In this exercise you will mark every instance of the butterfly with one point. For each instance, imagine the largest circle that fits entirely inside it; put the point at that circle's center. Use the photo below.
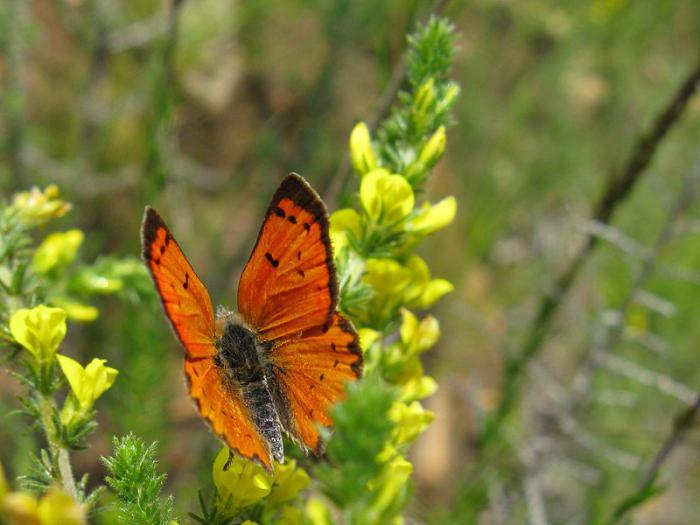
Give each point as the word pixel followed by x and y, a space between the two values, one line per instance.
pixel 281 362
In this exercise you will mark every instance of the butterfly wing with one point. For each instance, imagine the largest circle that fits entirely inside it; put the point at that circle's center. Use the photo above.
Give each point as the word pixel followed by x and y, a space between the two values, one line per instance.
pixel 311 371
pixel 288 293
pixel 188 307
pixel 289 281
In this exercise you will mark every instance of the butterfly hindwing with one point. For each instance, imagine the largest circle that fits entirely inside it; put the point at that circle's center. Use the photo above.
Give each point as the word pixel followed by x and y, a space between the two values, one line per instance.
pixel 312 371
pixel 223 408
pixel 188 307
pixel 288 293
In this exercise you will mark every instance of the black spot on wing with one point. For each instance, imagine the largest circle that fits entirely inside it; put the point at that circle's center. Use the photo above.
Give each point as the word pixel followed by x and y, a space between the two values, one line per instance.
pixel 274 262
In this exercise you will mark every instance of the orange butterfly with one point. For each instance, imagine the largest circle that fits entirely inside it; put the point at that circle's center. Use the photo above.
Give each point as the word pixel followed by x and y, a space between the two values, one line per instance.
pixel 281 362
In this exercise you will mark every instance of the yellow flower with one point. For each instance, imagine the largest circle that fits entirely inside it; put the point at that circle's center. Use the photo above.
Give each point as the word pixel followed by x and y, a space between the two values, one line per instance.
pixel 386 198
pixel 448 97
pixel 288 482
pixel 317 512
pixel 417 388
pixel 425 96
pixel 410 421
pixel 35 207
pixel 20 508
pixel 40 330
pixel 424 292
pixel 57 250
pixel 367 337
pixel 417 336
pixel 56 507
pixel 391 490
pixel 433 149
pixel 363 158
pixel 243 484
pixel 431 218
pixel 344 222
pixel 87 383
pixel 249 522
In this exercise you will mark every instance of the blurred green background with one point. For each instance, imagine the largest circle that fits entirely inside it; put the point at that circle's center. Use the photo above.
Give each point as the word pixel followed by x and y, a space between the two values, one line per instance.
pixel 121 106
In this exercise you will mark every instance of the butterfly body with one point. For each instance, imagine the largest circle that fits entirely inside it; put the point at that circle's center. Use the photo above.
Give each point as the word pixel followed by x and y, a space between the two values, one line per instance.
pixel 282 361
pixel 244 364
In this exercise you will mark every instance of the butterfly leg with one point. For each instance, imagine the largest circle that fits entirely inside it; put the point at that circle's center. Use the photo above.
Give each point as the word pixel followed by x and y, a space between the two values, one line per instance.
pixel 229 460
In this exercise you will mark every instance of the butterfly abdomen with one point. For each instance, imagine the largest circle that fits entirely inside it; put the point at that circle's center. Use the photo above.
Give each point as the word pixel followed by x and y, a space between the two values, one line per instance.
pixel 238 357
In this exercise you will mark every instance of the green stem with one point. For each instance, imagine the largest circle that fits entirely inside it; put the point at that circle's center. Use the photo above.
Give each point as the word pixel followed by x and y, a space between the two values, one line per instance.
pixel 58 452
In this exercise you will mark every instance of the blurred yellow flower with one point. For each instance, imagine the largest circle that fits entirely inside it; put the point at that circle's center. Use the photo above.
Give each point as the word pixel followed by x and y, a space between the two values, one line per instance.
pixel 87 383
pixel 390 489
pixel 56 251
pixel 430 218
pixel 76 311
pixel 56 507
pixel 40 330
pixel 19 508
pixel 242 484
pixel 317 512
pixel 386 198
pixel 290 515
pixel 417 388
pixel 363 158
pixel 35 207
pixel 288 482
pixel 410 421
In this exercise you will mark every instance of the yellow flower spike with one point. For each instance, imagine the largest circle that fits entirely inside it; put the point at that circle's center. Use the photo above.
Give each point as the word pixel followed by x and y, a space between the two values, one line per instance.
pixel 56 507
pixel 431 218
pixel 20 508
pixel 289 481
pixel 244 483
pixel 410 420
pixel 35 207
pixel 317 512
pixel 57 250
pixel 385 197
pixel 343 222
pixel 40 330
pixel 425 96
pixel 87 383
pixel 363 158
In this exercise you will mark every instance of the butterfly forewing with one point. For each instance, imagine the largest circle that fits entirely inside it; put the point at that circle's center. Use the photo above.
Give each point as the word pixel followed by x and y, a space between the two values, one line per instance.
pixel 289 282
pixel 288 294
pixel 188 307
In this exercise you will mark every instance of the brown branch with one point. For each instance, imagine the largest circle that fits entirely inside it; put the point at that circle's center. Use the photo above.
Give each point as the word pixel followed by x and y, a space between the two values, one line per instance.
pixel 617 190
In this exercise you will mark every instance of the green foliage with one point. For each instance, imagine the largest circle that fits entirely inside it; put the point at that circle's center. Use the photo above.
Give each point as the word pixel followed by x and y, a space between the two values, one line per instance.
pixel 409 138
pixel 352 456
pixel 134 477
